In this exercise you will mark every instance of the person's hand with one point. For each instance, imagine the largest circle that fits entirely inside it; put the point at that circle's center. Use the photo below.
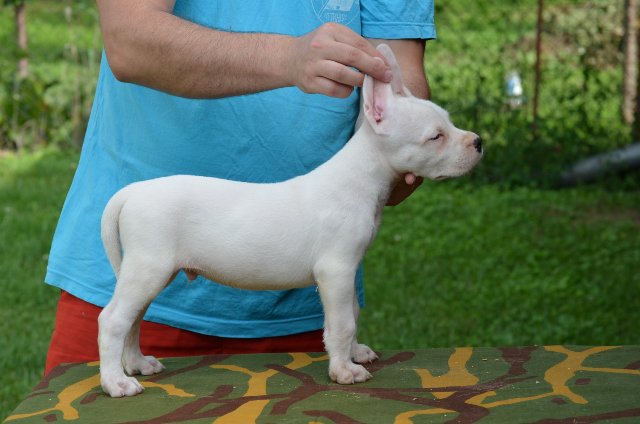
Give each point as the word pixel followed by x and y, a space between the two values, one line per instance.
pixel 323 61
pixel 407 185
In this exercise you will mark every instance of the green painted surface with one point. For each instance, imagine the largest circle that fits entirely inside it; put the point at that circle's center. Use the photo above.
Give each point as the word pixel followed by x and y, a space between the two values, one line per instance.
pixel 552 384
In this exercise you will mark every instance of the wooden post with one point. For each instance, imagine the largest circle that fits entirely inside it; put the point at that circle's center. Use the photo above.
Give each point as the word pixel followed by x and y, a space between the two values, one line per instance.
pixel 20 19
pixel 630 72
pixel 537 71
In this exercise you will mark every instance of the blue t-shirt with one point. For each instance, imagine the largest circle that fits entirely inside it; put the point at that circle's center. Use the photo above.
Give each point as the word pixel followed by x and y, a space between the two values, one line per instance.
pixel 137 133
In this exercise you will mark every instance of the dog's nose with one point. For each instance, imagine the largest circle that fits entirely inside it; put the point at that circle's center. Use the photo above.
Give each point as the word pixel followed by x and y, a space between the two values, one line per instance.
pixel 477 143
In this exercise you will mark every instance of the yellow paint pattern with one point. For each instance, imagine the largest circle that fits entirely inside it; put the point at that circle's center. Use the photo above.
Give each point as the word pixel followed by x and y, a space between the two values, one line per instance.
pixel 65 399
pixel 246 413
pixel 301 360
pixel 81 388
pixel 557 376
pixel 169 388
pixel 458 375
pixel 257 386
pixel 406 417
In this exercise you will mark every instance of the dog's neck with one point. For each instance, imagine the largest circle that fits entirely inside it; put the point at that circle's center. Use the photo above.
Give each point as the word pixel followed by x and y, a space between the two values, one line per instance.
pixel 366 151
pixel 360 166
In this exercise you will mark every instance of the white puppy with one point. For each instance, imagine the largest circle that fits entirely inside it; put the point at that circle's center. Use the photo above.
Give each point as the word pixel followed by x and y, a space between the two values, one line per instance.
pixel 312 229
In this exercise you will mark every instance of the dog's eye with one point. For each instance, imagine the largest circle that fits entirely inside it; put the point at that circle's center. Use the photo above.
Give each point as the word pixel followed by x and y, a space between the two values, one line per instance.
pixel 437 137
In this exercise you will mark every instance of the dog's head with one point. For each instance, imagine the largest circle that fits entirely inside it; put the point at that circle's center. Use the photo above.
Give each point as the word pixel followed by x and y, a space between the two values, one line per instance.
pixel 416 135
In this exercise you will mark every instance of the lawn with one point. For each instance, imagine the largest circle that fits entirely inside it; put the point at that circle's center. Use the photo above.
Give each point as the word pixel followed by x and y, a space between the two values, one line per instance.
pixel 458 264
pixel 462 265
pixel 32 189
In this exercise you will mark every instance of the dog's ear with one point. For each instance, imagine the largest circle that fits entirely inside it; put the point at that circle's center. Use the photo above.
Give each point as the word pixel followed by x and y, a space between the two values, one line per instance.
pixel 376 95
pixel 376 99
pixel 397 83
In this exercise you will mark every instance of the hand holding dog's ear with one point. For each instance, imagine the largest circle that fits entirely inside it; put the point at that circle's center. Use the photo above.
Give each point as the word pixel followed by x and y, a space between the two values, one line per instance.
pixel 322 61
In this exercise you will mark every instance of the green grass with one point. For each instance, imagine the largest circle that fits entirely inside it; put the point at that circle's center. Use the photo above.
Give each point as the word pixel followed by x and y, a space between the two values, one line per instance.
pixel 465 265
pixel 32 189
pixel 455 265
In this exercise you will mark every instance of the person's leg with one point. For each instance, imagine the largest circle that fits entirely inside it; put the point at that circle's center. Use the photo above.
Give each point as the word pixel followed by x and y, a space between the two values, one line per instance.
pixel 75 334
pixel 75 338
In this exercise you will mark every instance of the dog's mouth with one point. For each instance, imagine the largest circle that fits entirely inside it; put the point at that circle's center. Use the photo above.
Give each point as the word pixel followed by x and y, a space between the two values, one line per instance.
pixel 441 177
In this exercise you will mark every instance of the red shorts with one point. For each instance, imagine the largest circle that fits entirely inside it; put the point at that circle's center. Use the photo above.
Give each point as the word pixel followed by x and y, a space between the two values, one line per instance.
pixel 75 338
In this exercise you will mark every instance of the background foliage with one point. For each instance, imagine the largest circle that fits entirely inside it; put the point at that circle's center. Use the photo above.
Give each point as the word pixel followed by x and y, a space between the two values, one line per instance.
pixel 496 258
pixel 479 43
pixel 50 107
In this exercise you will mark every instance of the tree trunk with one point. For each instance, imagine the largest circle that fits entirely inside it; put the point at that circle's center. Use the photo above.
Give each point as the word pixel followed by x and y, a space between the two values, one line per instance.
pixel 20 17
pixel 630 78
pixel 537 70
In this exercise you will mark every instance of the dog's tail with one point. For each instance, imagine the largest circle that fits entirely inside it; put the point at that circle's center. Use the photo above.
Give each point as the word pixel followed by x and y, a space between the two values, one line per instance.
pixel 110 229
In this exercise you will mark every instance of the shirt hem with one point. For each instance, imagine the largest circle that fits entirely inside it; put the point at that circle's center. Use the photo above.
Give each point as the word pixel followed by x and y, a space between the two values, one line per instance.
pixel 220 328
pixel 398 30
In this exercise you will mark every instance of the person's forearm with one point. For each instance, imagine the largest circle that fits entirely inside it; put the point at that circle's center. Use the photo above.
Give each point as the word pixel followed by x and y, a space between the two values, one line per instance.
pixel 171 54
pixel 410 56
pixel 146 44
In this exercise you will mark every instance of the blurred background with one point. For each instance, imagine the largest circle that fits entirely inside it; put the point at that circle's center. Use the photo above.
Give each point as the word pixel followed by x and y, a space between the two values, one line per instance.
pixel 539 245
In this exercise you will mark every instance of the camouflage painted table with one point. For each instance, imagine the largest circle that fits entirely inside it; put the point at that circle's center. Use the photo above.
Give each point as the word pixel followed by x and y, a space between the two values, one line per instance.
pixel 554 384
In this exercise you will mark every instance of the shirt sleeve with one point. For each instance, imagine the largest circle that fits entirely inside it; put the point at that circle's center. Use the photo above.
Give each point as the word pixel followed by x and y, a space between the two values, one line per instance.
pixel 396 19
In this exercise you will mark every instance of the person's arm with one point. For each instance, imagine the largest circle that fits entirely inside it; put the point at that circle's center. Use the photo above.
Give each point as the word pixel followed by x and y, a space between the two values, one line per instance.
pixel 147 45
pixel 410 57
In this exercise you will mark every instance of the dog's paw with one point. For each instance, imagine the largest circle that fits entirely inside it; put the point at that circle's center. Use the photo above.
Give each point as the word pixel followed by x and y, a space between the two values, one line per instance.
pixel 348 373
pixel 123 386
pixel 145 365
pixel 362 354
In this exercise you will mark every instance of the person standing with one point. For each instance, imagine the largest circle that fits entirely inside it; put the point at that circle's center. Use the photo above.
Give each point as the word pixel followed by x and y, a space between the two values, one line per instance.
pixel 236 89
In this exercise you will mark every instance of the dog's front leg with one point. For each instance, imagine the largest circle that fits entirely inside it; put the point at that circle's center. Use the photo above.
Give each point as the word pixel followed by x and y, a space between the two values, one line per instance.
pixel 337 292
pixel 360 353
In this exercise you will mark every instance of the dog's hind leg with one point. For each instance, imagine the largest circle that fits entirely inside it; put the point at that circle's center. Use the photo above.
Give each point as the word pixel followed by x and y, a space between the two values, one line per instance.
pixel 135 289
pixel 360 353
pixel 133 360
